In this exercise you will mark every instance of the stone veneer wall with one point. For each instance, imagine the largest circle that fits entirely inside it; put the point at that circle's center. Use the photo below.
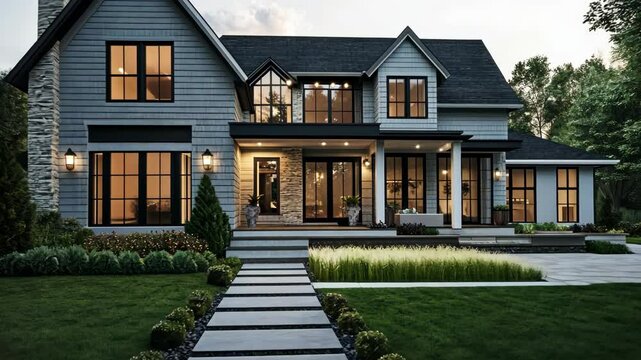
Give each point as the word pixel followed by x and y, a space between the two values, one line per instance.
pixel 44 117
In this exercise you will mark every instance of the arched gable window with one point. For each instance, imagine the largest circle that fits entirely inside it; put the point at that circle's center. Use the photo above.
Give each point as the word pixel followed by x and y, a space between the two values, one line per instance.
pixel 272 99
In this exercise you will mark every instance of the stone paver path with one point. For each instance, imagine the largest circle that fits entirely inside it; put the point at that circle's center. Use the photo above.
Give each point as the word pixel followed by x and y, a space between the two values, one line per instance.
pixel 269 312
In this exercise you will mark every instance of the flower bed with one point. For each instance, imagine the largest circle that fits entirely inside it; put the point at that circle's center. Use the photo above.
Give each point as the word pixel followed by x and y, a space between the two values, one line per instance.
pixel 144 243
pixel 355 264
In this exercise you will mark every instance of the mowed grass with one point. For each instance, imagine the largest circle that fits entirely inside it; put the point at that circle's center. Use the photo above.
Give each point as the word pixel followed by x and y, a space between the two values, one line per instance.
pixel 87 317
pixel 583 322
pixel 634 240
pixel 415 264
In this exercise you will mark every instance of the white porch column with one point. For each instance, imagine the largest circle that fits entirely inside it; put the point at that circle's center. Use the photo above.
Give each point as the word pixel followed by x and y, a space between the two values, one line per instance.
pixel 379 176
pixel 457 185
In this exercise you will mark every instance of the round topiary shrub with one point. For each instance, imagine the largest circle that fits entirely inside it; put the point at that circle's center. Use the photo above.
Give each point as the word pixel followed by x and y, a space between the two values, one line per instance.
pixel 103 263
pixel 167 334
pixel 158 262
pixel 13 264
pixel 391 357
pixel 149 355
pixel 182 315
pixel 131 263
pixel 201 262
pixel 74 260
pixel 184 263
pixel 351 322
pixel 199 302
pixel 219 275
pixel 371 345
pixel 233 262
pixel 211 258
pixel 333 303
pixel 42 260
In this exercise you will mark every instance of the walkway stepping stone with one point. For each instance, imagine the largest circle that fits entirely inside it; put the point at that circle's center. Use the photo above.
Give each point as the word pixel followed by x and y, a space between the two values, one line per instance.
pixel 278 357
pixel 276 280
pixel 279 266
pixel 226 341
pixel 269 318
pixel 272 273
pixel 270 290
pixel 269 302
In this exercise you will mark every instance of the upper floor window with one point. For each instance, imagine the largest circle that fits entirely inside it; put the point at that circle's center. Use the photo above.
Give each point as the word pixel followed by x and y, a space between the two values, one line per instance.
pixel 567 194
pixel 406 97
pixel 329 103
pixel 272 99
pixel 140 72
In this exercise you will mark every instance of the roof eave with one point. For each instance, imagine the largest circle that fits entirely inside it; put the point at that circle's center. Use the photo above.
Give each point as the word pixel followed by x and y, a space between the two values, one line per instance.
pixel 586 162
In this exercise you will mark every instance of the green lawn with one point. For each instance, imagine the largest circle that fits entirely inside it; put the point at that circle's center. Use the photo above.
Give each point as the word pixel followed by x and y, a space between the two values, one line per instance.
pixel 592 322
pixel 86 317
pixel 634 240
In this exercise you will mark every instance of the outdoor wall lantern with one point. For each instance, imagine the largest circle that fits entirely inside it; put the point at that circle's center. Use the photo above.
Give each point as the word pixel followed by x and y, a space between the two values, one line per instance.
pixel 208 160
pixel 498 174
pixel 70 159
pixel 367 163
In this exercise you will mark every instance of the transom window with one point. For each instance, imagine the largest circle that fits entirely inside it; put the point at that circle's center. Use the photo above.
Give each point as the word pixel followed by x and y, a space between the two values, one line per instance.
pixel 272 99
pixel 406 97
pixel 567 195
pixel 329 103
pixel 140 72
pixel 521 195
pixel 140 188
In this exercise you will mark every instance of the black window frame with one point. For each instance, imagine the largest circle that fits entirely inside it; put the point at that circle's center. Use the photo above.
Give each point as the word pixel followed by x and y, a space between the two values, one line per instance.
pixel 277 159
pixel 405 178
pixel 329 90
pixel 568 188
pixel 510 187
pixel 407 100
pixel 176 189
pixel 141 70
pixel 271 85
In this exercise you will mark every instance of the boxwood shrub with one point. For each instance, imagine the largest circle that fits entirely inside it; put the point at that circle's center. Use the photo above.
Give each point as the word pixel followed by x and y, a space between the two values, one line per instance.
pixel 351 322
pixel 333 303
pixel 201 262
pixel 199 302
pixel 159 262
pixel 605 247
pixel 167 334
pixel 233 262
pixel 183 315
pixel 219 275
pixel 371 345
pixel 149 355
pixel 42 260
pixel 184 263
pixel 131 263
pixel 13 264
pixel 145 243
pixel 103 263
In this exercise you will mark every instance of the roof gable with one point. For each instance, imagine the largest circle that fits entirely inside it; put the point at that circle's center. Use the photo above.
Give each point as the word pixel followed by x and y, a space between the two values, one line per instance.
pixel 19 75
pixel 408 35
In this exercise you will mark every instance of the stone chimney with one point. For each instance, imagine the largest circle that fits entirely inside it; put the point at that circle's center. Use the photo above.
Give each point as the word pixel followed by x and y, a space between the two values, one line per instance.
pixel 44 116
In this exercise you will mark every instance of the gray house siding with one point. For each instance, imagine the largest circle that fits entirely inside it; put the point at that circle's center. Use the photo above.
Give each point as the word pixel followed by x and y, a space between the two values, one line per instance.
pixel 546 209
pixel 204 94
pixel 483 124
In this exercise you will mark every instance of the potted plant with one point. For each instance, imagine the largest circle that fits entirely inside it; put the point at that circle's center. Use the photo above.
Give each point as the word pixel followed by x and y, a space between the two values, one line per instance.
pixel 500 215
pixel 352 205
pixel 252 210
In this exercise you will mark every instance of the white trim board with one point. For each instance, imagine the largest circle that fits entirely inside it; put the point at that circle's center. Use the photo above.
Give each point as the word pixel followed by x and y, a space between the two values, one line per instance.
pixel 560 162
pixel 479 106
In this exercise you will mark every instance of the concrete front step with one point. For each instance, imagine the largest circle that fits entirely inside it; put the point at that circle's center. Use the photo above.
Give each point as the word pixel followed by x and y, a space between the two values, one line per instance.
pixel 270 290
pixel 268 253
pixel 278 357
pixel 268 318
pixel 273 266
pixel 243 273
pixel 267 342
pixel 271 280
pixel 269 243
pixel 269 302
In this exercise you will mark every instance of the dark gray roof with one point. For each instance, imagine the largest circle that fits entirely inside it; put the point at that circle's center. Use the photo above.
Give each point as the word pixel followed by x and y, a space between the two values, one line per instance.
pixel 475 77
pixel 536 148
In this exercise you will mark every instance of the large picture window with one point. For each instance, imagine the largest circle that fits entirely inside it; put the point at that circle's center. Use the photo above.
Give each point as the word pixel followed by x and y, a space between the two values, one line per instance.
pixel 140 188
pixel 567 195
pixel 272 99
pixel 267 184
pixel 328 103
pixel 406 97
pixel 521 195
pixel 405 182
pixel 140 72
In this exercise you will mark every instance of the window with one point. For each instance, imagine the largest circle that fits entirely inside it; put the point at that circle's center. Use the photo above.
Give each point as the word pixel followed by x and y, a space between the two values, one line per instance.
pixel 329 103
pixel 272 99
pixel 405 182
pixel 267 183
pixel 521 195
pixel 406 97
pixel 140 188
pixel 140 72
pixel 567 194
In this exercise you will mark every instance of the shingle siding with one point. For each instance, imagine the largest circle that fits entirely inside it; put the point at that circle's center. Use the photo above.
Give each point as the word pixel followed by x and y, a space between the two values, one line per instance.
pixel 482 124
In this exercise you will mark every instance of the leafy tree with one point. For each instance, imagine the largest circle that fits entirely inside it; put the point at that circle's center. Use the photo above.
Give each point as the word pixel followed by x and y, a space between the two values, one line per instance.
pixel 13 116
pixel 16 210
pixel 530 79
pixel 208 221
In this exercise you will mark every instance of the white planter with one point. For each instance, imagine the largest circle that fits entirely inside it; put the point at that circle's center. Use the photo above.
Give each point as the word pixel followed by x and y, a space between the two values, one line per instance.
pixel 251 213
pixel 352 215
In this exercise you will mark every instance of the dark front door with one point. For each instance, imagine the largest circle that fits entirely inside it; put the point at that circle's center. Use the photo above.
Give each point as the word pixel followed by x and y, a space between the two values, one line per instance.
pixel 326 181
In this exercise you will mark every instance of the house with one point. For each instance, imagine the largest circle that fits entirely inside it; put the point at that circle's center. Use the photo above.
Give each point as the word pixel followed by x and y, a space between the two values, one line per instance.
pixel 131 102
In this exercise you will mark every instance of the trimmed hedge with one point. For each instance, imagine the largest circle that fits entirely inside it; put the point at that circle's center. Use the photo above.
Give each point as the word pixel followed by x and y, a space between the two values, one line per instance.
pixel 219 275
pixel 145 243
pixel 159 262
pixel 605 247
pixel 131 263
pixel 167 334
pixel 333 304
pixel 351 322
pixel 183 315
pixel 371 345
pixel 199 302
pixel 416 229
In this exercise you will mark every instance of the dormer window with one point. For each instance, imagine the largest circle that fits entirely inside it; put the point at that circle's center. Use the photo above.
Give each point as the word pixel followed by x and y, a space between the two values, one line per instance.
pixel 272 99
pixel 140 72
pixel 406 97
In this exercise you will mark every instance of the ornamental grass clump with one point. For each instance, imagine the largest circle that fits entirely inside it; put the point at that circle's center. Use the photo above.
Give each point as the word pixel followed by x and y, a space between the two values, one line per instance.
pixel 355 264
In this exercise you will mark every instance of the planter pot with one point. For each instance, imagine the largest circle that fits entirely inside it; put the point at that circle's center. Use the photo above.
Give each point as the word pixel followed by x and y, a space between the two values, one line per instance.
pixel 251 213
pixel 352 215
pixel 500 217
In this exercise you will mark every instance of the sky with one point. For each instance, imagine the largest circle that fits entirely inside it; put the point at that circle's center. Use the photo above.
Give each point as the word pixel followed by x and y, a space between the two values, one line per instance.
pixel 513 30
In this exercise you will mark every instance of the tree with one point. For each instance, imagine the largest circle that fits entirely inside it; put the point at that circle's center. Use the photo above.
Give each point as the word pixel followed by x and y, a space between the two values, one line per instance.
pixel 13 116
pixel 208 221
pixel 530 79
pixel 16 210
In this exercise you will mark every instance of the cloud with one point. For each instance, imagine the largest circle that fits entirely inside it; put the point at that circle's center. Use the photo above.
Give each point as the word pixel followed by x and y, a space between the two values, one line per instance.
pixel 264 18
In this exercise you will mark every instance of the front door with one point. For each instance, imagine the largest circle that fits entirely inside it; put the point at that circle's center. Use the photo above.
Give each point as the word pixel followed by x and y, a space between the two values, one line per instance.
pixel 326 182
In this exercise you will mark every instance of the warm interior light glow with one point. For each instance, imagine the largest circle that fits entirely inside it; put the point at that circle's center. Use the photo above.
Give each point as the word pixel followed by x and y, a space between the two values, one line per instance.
pixel 208 160
pixel 260 144
pixel 497 173
pixel 323 144
pixel 121 70
pixel 70 159
pixel 346 85
pixel 316 84
pixel 417 146
pixel 346 143
pixel 333 84
pixel 288 82
pixel 444 172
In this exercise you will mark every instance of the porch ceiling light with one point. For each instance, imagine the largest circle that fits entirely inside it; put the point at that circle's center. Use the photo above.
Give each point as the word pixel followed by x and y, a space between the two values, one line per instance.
pixel 346 85
pixel 323 144
pixel 346 143
pixel 208 160
pixel 418 146
pixel 70 159
pixel 259 144
pixel 316 84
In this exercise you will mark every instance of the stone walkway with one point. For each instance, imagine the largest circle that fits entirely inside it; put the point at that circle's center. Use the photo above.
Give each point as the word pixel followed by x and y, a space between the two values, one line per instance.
pixel 269 312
